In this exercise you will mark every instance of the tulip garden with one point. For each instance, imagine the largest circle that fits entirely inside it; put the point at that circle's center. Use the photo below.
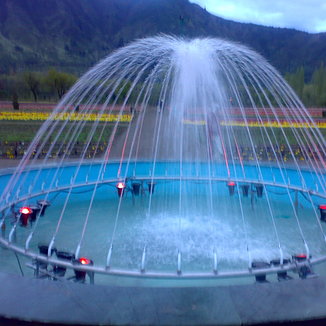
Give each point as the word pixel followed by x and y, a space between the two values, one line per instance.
pixel 18 128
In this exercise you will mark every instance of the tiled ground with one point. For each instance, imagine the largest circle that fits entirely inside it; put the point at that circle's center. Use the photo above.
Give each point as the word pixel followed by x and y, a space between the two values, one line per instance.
pixel 59 302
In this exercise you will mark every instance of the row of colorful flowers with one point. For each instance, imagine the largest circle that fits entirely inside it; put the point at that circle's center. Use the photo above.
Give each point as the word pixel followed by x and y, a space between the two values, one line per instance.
pixel 313 112
pixel 275 124
pixel 271 124
pixel 48 107
pixel 41 116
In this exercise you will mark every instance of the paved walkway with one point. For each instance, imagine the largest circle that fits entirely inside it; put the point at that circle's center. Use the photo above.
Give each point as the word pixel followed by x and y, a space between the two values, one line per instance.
pixel 65 302
pixel 7 163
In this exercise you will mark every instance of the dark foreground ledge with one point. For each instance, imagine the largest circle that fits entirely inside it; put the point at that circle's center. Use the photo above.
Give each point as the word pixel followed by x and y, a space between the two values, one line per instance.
pixel 26 299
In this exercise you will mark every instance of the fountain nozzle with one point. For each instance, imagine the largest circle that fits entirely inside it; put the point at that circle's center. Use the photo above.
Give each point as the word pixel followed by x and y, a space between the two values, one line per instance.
pixel 231 186
pixel 322 209
pixel 25 214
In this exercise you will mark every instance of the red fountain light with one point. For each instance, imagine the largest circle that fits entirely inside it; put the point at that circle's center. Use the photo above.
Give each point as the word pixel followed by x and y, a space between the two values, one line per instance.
pixel 85 261
pixel 300 257
pixel 25 214
pixel 25 210
pixel 231 186
pixel 81 275
pixel 121 185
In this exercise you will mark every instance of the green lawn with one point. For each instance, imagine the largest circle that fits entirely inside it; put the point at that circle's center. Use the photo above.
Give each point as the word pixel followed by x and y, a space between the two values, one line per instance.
pixel 22 131
pixel 15 131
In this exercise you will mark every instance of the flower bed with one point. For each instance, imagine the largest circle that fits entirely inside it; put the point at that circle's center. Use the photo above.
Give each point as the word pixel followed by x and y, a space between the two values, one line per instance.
pixel 42 116
pixel 270 124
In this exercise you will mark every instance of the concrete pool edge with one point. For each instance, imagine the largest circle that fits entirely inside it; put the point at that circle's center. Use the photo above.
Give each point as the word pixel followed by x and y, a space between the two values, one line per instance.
pixel 30 299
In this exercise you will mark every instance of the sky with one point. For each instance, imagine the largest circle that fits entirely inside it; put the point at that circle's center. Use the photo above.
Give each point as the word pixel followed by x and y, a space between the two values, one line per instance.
pixel 304 15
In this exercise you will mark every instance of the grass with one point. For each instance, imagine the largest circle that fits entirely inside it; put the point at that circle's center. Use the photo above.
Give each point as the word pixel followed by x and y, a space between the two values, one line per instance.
pixel 276 135
pixel 22 131
pixel 18 131
pixel 12 131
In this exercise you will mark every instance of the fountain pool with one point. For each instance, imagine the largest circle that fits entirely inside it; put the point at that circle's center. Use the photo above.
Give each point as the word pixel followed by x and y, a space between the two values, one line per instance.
pixel 202 243
pixel 172 159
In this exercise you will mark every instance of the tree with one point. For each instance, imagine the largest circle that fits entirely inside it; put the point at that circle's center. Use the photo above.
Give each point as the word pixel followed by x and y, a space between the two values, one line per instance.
pixel 296 81
pixel 308 96
pixel 319 83
pixel 15 103
pixel 11 87
pixel 60 81
pixel 33 81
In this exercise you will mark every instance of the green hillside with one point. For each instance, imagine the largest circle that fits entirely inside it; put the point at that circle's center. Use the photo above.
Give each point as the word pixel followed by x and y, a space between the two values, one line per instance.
pixel 74 34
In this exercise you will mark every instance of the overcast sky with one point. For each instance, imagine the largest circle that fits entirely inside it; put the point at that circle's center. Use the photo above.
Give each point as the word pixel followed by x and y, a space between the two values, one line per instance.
pixel 304 15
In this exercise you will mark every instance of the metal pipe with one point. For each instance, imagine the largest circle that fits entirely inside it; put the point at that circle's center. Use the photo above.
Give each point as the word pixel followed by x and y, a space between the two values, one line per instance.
pixel 215 262
pixel 169 275
pixel 108 260
pixel 203 179
pixel 179 263
pixel 143 258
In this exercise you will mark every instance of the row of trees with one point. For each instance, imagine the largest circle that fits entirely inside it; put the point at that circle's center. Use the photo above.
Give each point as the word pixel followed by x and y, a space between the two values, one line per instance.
pixel 36 86
pixel 313 92
pixel 52 85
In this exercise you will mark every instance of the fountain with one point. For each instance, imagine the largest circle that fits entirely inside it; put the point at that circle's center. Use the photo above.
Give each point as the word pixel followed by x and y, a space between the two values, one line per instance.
pixel 172 158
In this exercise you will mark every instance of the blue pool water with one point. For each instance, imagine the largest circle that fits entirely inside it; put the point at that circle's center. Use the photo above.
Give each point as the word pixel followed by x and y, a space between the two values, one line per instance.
pixel 63 175
pixel 232 226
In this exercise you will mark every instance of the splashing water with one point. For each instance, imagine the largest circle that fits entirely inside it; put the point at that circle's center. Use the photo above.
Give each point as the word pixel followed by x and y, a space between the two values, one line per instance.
pixel 197 120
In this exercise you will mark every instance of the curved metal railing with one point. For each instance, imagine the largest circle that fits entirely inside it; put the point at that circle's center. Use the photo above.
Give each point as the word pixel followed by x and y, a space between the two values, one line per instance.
pixel 142 271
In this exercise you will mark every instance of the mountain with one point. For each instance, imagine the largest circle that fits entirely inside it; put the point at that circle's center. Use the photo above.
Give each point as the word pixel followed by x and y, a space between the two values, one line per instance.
pixel 74 34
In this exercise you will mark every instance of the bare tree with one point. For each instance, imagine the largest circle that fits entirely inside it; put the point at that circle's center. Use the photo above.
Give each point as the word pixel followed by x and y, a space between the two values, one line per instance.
pixel 32 80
